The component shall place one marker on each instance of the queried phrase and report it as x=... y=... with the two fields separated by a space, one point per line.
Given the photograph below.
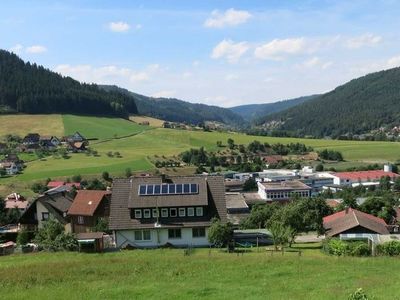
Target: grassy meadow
x=168 y=274
x=137 y=144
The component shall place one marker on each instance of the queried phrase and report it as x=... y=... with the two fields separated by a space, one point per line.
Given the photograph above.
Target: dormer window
x=190 y=211
x=182 y=212
x=146 y=213
x=199 y=211
x=138 y=214
x=172 y=212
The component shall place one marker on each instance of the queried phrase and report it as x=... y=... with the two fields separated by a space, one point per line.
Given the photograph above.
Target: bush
x=391 y=248
x=22 y=237
x=51 y=237
x=358 y=295
x=340 y=248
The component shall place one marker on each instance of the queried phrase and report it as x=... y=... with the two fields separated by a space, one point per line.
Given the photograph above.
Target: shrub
x=359 y=249
x=391 y=248
x=51 y=237
x=336 y=247
x=340 y=248
x=22 y=237
x=358 y=295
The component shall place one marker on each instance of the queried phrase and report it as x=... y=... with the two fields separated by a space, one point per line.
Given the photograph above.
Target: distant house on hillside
x=155 y=211
x=88 y=207
x=31 y=139
x=361 y=177
x=46 y=206
x=70 y=185
x=272 y=159
x=12 y=164
x=352 y=221
x=49 y=142
x=15 y=200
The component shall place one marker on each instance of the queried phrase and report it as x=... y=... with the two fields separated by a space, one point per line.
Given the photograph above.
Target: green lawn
x=168 y=274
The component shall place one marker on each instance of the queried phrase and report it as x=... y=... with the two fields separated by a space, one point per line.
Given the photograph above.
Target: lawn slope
x=21 y=124
x=168 y=274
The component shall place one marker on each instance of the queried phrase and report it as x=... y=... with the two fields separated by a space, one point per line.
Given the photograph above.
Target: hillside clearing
x=168 y=274
x=152 y=121
x=23 y=124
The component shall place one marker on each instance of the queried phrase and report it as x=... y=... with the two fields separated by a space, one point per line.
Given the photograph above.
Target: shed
x=90 y=241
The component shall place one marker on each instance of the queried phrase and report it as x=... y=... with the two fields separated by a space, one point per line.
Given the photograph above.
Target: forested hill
x=357 y=107
x=175 y=110
x=252 y=112
x=29 y=88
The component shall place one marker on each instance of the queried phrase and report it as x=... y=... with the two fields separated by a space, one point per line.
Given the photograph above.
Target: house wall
x=159 y=237
x=39 y=210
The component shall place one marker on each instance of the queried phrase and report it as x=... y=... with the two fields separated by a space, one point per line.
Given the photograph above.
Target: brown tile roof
x=120 y=217
x=86 y=202
x=351 y=218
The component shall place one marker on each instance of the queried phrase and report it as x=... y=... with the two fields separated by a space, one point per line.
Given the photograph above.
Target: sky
x=223 y=53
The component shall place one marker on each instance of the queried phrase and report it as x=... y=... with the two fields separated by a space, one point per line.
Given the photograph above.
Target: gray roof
x=211 y=188
x=235 y=201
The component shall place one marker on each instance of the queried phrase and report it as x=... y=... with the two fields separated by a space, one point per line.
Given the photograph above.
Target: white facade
x=159 y=237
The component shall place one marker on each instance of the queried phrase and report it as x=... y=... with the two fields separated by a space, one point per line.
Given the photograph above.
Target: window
x=199 y=211
x=138 y=214
x=182 y=212
x=142 y=235
x=45 y=216
x=174 y=233
x=172 y=212
x=171 y=189
x=190 y=211
x=81 y=220
x=198 y=232
x=155 y=212
x=164 y=212
x=179 y=188
x=164 y=189
x=146 y=213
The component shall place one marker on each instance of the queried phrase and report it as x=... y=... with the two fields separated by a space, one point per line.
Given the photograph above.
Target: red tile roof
x=86 y=202
x=9 y=204
x=365 y=175
x=333 y=202
x=350 y=218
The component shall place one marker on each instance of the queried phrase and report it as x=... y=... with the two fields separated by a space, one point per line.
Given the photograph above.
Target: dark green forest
x=175 y=110
x=357 y=107
x=29 y=88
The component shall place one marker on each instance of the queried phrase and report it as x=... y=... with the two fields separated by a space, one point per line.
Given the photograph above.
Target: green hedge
x=341 y=248
x=391 y=248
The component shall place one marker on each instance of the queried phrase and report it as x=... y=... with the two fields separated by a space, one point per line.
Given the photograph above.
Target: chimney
x=347 y=210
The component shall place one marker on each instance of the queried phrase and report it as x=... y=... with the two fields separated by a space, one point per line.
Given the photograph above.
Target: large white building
x=283 y=190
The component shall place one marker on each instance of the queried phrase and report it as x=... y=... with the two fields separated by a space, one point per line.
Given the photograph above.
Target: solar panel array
x=168 y=189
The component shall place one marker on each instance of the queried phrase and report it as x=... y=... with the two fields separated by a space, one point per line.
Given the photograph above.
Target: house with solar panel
x=156 y=211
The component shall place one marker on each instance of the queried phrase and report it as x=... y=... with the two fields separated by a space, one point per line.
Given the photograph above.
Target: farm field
x=137 y=143
x=152 y=121
x=168 y=274
x=22 y=124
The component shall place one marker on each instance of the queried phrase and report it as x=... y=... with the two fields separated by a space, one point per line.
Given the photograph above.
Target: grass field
x=152 y=121
x=168 y=274
x=137 y=143
x=23 y=124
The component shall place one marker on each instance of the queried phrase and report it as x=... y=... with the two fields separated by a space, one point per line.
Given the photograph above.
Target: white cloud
x=17 y=49
x=106 y=74
x=119 y=26
x=277 y=48
x=393 y=62
x=164 y=94
x=138 y=26
x=187 y=75
x=230 y=50
x=195 y=63
x=36 y=49
x=230 y=77
x=230 y=17
x=316 y=62
x=365 y=40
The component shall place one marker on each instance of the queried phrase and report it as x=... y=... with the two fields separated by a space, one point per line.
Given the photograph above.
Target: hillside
x=357 y=107
x=252 y=112
x=29 y=88
x=175 y=110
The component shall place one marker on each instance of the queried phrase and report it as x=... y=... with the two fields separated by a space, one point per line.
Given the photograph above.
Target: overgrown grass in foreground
x=168 y=274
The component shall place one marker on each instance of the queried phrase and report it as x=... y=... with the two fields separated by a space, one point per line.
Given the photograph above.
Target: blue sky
x=216 y=52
